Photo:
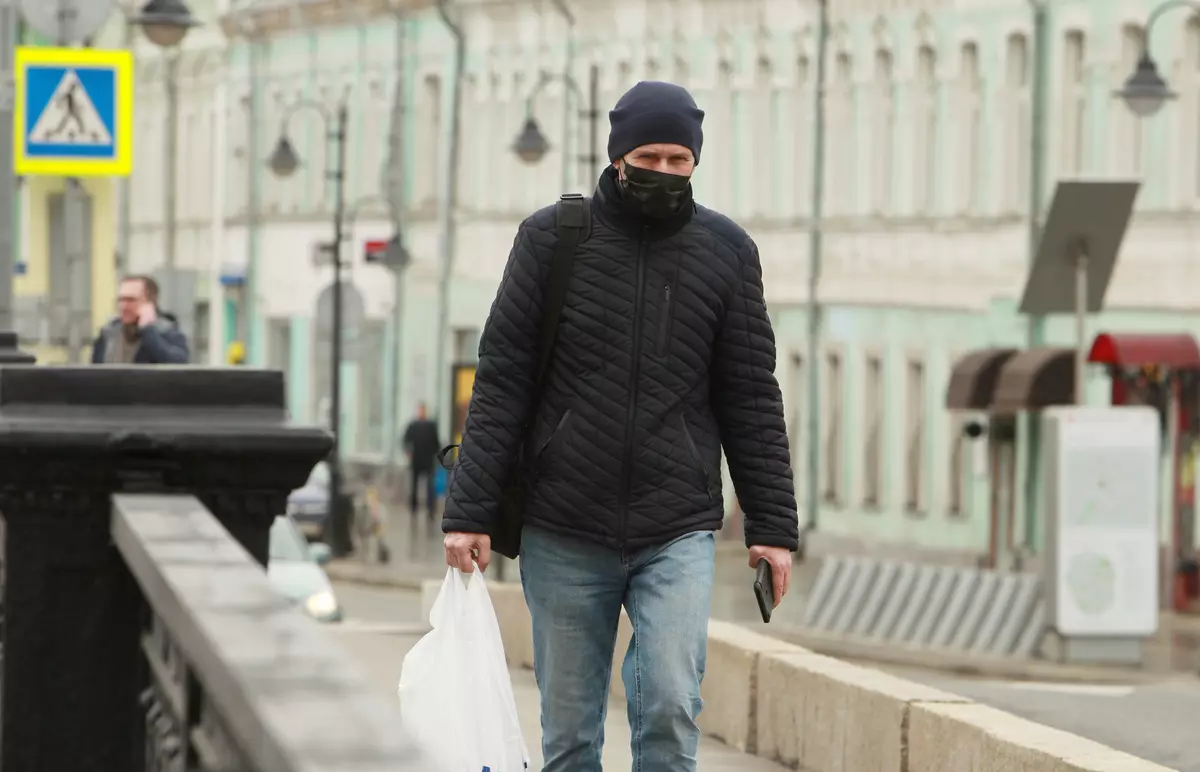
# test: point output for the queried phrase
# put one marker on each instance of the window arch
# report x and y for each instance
(884, 143)
(970, 98)
(1073, 144)
(1017, 112)
(1127, 142)
(926, 134)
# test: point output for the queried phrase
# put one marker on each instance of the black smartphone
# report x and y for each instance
(764, 589)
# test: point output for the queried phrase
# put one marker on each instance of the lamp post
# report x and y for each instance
(1145, 91)
(531, 145)
(283, 162)
(812, 492)
(165, 23)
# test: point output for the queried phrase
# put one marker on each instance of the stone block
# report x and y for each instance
(970, 737)
(516, 627)
(731, 682)
(819, 713)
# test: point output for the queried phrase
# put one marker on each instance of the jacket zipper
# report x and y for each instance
(631, 409)
(664, 322)
(695, 451)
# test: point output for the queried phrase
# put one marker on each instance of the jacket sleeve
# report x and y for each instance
(501, 396)
(165, 345)
(748, 406)
(98, 350)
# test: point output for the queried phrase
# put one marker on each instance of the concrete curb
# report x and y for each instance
(958, 663)
(373, 576)
(787, 703)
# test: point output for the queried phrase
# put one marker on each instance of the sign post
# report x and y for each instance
(1077, 254)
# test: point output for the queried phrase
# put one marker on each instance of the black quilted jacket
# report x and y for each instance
(664, 354)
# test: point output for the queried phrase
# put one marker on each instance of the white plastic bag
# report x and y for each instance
(456, 695)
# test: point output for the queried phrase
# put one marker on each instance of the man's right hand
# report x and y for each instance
(463, 549)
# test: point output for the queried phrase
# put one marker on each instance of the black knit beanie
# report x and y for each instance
(654, 112)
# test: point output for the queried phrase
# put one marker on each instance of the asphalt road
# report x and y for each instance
(1155, 722)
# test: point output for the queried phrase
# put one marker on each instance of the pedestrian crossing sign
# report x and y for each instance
(73, 112)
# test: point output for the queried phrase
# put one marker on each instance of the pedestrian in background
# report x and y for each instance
(664, 355)
(421, 446)
(141, 333)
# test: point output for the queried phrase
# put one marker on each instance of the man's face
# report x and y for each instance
(421, 412)
(130, 297)
(671, 159)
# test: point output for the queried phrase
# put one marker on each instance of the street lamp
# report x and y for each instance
(165, 24)
(283, 162)
(531, 145)
(1145, 92)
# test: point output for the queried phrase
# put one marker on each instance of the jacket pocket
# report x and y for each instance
(666, 315)
(694, 451)
(554, 435)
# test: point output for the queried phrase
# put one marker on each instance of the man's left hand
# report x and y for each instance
(147, 314)
(780, 559)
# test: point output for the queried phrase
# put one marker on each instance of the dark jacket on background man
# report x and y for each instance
(421, 440)
(664, 353)
(160, 343)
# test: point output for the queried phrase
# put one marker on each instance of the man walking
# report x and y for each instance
(421, 446)
(664, 356)
(140, 334)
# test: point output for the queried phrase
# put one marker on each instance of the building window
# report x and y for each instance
(1127, 142)
(914, 437)
(970, 88)
(1017, 124)
(429, 123)
(873, 412)
(1191, 114)
(1074, 115)
(802, 128)
(466, 345)
(926, 134)
(763, 192)
(884, 144)
(833, 429)
(200, 341)
(794, 401)
(956, 481)
(840, 175)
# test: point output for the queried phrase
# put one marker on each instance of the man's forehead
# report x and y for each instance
(662, 150)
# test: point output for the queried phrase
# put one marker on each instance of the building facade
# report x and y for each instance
(926, 196)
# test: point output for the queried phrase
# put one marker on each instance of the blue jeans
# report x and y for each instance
(575, 591)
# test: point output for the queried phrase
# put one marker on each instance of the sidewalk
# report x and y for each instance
(381, 657)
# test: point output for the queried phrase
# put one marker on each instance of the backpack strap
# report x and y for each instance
(573, 213)
(573, 218)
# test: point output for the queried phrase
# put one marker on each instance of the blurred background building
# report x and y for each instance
(928, 169)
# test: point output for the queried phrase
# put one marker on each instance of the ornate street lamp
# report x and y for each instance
(165, 22)
(1145, 91)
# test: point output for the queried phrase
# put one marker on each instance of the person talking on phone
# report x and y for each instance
(140, 334)
(664, 355)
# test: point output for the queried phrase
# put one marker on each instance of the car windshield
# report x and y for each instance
(320, 475)
(286, 543)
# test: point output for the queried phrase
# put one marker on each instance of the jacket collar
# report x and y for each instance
(610, 204)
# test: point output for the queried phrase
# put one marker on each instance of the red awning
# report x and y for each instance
(1178, 350)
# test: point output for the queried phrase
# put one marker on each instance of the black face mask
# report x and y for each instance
(653, 194)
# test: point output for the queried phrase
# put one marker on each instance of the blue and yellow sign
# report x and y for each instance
(73, 112)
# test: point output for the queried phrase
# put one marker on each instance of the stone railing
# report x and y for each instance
(141, 633)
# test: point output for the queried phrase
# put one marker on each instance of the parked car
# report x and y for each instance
(294, 570)
(309, 506)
